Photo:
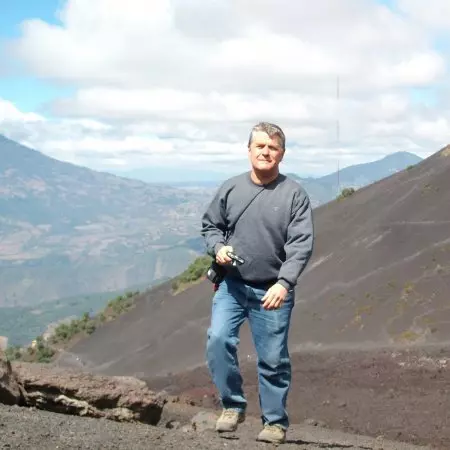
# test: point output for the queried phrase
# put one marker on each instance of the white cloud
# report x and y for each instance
(437, 130)
(8, 112)
(434, 14)
(163, 81)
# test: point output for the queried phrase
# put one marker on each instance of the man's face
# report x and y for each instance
(265, 153)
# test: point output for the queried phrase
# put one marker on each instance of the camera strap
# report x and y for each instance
(231, 228)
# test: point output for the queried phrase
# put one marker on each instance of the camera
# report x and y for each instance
(216, 272)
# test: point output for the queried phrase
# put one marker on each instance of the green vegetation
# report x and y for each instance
(196, 271)
(39, 352)
(21, 324)
(408, 336)
(65, 332)
(408, 288)
(42, 350)
(13, 353)
(346, 192)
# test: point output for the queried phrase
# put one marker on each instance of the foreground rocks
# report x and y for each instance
(128, 400)
(124, 399)
(11, 390)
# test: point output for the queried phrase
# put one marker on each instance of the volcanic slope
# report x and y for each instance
(379, 276)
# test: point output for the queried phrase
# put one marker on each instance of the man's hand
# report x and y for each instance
(222, 257)
(274, 297)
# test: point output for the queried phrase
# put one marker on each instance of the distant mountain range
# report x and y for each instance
(67, 230)
(326, 188)
(321, 189)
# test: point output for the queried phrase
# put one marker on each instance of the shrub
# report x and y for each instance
(346, 192)
(44, 354)
(194, 272)
(13, 353)
(43, 351)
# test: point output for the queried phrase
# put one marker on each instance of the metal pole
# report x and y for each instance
(338, 130)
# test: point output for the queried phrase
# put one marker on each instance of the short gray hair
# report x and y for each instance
(272, 130)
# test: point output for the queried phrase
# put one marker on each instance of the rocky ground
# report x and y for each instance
(45, 407)
(402, 394)
(25, 428)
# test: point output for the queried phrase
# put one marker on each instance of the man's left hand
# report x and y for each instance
(274, 297)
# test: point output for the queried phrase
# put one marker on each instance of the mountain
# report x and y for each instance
(67, 230)
(321, 189)
(326, 188)
(173, 175)
(363, 174)
(379, 276)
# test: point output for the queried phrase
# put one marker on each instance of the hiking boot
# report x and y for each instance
(229, 420)
(274, 434)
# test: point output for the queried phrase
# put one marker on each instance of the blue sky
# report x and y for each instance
(12, 13)
(27, 93)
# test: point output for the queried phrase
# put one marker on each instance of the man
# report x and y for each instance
(274, 236)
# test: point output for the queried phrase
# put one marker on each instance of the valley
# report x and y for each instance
(67, 230)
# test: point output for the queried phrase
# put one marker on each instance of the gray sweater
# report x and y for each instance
(274, 235)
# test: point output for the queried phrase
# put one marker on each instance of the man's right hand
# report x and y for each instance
(222, 257)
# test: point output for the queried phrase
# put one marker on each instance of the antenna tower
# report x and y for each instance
(338, 131)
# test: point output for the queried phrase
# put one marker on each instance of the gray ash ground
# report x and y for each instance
(25, 428)
(402, 394)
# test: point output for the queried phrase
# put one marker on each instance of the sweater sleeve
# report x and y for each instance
(299, 243)
(214, 224)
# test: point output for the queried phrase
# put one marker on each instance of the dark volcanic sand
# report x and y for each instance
(401, 394)
(24, 428)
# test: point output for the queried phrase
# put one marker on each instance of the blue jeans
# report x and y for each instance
(234, 302)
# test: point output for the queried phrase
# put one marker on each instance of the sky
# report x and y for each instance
(176, 85)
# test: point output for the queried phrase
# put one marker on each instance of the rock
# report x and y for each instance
(11, 391)
(203, 421)
(379, 443)
(173, 424)
(315, 423)
(123, 399)
(311, 422)
(391, 393)
(3, 343)
(130, 381)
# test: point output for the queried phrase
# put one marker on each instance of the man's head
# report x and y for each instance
(266, 147)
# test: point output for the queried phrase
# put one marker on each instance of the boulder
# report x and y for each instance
(74, 392)
(3, 343)
(11, 391)
(203, 421)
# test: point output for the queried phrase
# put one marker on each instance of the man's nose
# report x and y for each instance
(265, 150)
